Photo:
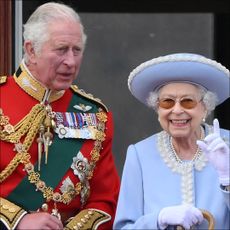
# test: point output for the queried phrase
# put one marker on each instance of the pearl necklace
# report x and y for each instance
(184, 168)
(197, 154)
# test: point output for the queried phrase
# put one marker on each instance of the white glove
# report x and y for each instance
(185, 215)
(217, 153)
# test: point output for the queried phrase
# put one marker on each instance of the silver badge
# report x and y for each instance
(83, 107)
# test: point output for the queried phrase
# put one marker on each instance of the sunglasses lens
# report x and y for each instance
(166, 103)
(188, 103)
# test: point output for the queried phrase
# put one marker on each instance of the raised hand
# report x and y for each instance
(217, 152)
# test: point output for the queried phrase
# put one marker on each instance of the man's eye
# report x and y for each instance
(76, 51)
(61, 50)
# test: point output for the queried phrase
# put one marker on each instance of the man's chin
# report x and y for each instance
(62, 86)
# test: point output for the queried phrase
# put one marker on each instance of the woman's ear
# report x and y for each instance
(29, 50)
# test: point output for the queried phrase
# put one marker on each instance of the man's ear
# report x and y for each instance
(29, 50)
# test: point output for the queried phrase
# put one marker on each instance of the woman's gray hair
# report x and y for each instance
(36, 28)
(209, 99)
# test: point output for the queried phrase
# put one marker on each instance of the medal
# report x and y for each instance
(76, 125)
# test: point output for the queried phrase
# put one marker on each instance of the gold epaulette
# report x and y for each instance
(88, 219)
(3, 79)
(10, 213)
(88, 96)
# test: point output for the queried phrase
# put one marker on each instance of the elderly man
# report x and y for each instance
(57, 167)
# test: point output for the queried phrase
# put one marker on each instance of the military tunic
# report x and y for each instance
(55, 154)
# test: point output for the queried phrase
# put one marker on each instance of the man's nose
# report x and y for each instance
(70, 58)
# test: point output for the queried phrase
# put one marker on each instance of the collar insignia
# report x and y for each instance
(33, 87)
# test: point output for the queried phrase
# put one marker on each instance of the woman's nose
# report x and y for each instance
(177, 108)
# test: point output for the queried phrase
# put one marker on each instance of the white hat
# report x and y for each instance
(179, 67)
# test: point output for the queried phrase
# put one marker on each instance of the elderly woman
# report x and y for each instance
(170, 177)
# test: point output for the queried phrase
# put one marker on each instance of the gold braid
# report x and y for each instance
(22, 127)
(29, 124)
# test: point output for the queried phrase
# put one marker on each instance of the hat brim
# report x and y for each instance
(153, 76)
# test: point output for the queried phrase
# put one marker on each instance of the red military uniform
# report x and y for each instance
(55, 154)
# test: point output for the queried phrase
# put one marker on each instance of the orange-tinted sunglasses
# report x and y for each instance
(186, 103)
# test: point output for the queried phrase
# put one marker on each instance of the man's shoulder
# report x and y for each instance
(3, 79)
(88, 96)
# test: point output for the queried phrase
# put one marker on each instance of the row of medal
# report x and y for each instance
(76, 125)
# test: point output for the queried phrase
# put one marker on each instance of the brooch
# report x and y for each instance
(81, 168)
(83, 107)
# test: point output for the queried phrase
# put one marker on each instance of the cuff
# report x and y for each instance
(224, 180)
(87, 219)
(160, 224)
(10, 214)
(225, 188)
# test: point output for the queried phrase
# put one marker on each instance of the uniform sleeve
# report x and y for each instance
(100, 208)
(130, 208)
(10, 214)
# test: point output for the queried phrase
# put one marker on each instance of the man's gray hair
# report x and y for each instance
(35, 29)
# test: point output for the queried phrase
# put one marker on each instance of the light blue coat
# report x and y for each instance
(148, 185)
